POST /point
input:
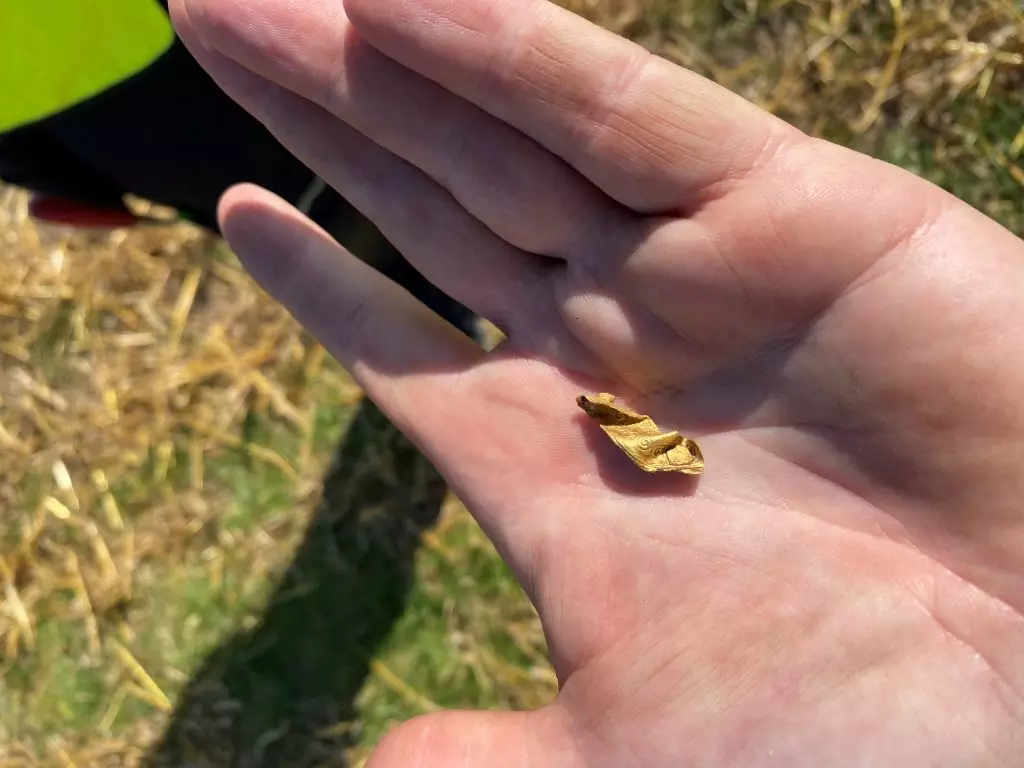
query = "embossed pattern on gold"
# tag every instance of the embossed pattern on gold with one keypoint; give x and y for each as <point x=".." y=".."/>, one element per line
<point x="639" y="437"/>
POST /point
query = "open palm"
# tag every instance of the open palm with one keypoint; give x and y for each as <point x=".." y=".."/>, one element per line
<point x="844" y="584"/>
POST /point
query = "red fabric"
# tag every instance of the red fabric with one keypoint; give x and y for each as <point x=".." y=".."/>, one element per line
<point x="56" y="210"/>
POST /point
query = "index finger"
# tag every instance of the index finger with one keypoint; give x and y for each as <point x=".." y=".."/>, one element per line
<point x="652" y="135"/>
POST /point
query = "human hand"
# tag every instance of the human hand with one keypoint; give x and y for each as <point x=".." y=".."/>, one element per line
<point x="843" y="585"/>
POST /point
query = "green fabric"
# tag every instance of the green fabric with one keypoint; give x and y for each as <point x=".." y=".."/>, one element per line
<point x="56" y="53"/>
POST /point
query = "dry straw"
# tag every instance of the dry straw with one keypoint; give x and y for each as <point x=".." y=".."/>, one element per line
<point x="127" y="360"/>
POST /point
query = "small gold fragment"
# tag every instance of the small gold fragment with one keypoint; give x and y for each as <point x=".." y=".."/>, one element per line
<point x="639" y="437"/>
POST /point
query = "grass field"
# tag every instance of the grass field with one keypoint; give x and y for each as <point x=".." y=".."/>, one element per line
<point x="214" y="552"/>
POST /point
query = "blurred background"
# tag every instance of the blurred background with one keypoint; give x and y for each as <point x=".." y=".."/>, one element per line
<point x="214" y="552"/>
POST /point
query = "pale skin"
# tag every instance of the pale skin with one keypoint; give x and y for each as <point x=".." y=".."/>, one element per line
<point x="844" y="585"/>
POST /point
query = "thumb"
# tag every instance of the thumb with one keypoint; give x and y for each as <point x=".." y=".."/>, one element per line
<point x="474" y="739"/>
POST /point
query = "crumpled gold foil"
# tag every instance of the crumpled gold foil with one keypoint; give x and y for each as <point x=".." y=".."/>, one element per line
<point x="639" y="437"/>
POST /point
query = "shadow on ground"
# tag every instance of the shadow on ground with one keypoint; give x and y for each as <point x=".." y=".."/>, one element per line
<point x="280" y="694"/>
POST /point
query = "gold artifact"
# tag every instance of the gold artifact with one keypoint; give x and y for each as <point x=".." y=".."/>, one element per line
<point x="639" y="437"/>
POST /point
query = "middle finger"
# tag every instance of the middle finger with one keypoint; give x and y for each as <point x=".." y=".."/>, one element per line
<point x="452" y="249"/>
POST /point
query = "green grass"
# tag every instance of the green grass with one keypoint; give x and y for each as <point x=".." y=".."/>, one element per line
<point x="287" y="634"/>
<point x="52" y="693"/>
<point x="357" y="627"/>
